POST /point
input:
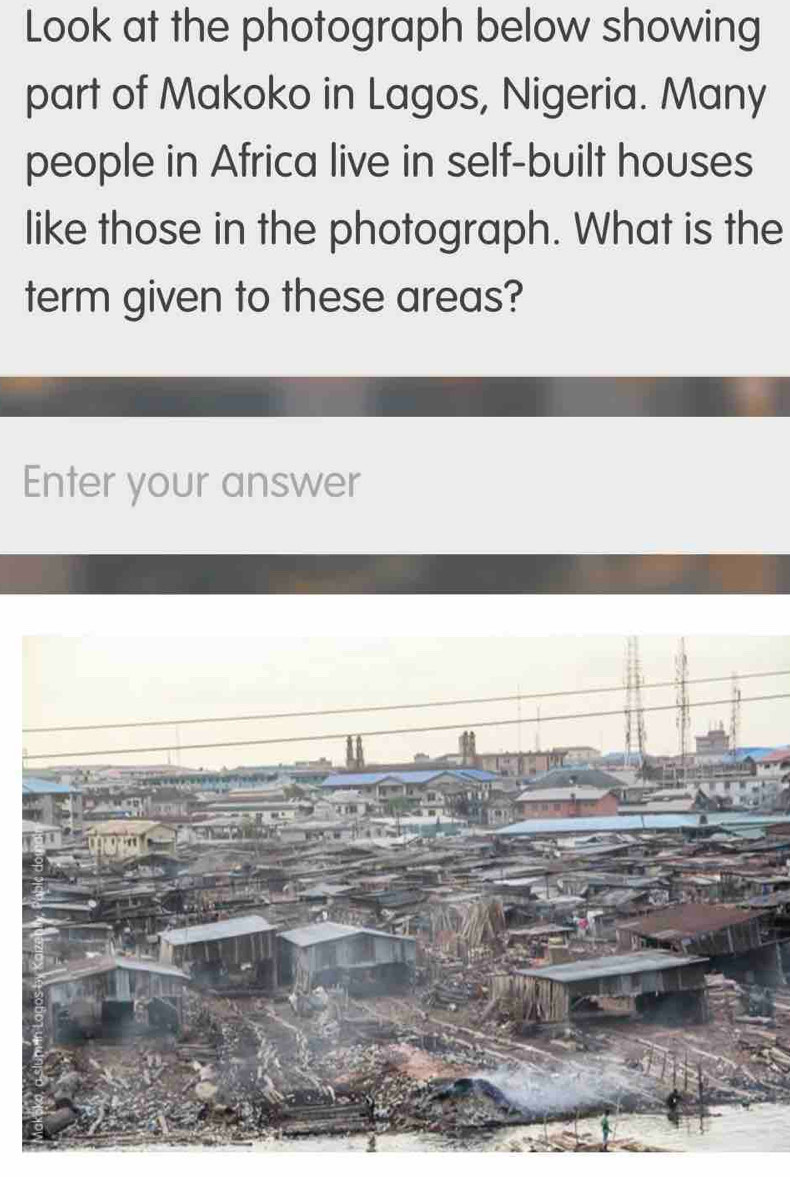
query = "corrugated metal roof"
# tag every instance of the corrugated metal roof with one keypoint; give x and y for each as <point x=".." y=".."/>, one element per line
<point x="407" y="776"/>
<point x="572" y="793"/>
<point x="34" y="785"/>
<point x="689" y="918"/>
<point x="613" y="966"/>
<point x="654" y="821"/>
<point x="246" y="925"/>
<point x="561" y="777"/>
<point x="108" y="964"/>
<point x="325" y="931"/>
<point x="775" y="757"/>
<point x="776" y="899"/>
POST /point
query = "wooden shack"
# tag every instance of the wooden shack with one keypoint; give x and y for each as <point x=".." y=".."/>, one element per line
<point x="361" y="959"/>
<point x="210" y="951"/>
<point x="738" y="942"/>
<point x="650" y="983"/>
<point x="112" y="995"/>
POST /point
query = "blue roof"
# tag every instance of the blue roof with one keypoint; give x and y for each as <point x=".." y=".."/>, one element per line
<point x="35" y="785"/>
<point x="407" y="777"/>
<point x="633" y="822"/>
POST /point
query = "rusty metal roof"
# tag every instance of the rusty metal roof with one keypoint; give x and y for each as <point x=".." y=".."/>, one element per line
<point x="688" y="919"/>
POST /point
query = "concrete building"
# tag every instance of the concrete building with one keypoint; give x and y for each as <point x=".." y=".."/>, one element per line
<point x="671" y="801"/>
<point x="346" y="803"/>
<point x="37" y="837"/>
<point x="772" y="771"/>
<point x="561" y="778"/>
<point x="714" y="742"/>
<point x="262" y="812"/>
<point x="323" y="830"/>
<point x="412" y="784"/>
<point x="52" y="803"/>
<point x="170" y="804"/>
<point x="741" y="791"/>
<point x="520" y="764"/>
<point x="567" y="802"/>
<point x="500" y="808"/>
<point x="229" y="827"/>
<point x="117" y="840"/>
<point x="577" y="754"/>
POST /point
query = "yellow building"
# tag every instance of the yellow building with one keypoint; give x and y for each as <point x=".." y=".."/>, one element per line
<point x="128" y="838"/>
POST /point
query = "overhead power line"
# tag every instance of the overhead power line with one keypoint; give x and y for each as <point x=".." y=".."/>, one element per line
<point x="402" y="731"/>
<point x="96" y="727"/>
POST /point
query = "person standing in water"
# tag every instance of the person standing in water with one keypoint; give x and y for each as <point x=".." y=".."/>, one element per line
<point x="605" y="1131"/>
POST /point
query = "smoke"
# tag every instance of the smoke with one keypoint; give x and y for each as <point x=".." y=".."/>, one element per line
<point x="575" y="1088"/>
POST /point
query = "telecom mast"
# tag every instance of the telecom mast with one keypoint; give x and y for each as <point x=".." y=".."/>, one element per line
<point x="735" y="717"/>
<point x="683" y="717"/>
<point x="635" y="730"/>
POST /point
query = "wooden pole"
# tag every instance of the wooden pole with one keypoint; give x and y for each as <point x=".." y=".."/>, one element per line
<point x="701" y="1089"/>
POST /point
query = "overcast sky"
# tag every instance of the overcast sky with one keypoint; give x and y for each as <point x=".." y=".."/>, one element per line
<point x="106" y="680"/>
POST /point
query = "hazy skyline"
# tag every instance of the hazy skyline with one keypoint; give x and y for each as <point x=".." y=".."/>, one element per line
<point x="105" y="680"/>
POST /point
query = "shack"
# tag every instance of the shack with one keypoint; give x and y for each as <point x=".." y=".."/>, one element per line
<point x="112" y="996"/>
<point x="657" y="985"/>
<point x="362" y="959"/>
<point x="738" y="942"/>
<point x="211" y="951"/>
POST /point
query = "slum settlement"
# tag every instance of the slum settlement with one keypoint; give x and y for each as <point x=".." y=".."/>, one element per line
<point x="222" y="957"/>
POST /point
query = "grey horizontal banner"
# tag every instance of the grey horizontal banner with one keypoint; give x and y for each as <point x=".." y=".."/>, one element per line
<point x="473" y="397"/>
<point x="394" y="574"/>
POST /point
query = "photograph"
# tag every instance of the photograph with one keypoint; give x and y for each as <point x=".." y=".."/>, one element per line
<point x="429" y="894"/>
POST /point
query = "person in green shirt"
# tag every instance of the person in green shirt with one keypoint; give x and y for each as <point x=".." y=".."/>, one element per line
<point x="605" y="1131"/>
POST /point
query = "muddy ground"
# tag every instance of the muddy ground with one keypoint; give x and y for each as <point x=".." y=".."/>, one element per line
<point x="250" y="1067"/>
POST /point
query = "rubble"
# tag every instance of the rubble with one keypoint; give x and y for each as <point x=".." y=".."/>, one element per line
<point x="251" y="1060"/>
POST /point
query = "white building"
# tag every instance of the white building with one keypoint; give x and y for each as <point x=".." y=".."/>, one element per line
<point x="346" y="803"/>
<point x="746" y="790"/>
<point x="37" y="837"/>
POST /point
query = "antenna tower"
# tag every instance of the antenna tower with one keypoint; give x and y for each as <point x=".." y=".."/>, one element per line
<point x="683" y="717"/>
<point x="735" y="717"/>
<point x="635" y="730"/>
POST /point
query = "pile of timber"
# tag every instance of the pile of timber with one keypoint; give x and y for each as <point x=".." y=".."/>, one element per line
<point x="570" y="1141"/>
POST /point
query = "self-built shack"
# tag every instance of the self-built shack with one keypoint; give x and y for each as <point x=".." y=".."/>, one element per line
<point x="738" y="942"/>
<point x="211" y="951"/>
<point x="112" y="996"/>
<point x="658" y="985"/>
<point x="362" y="959"/>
